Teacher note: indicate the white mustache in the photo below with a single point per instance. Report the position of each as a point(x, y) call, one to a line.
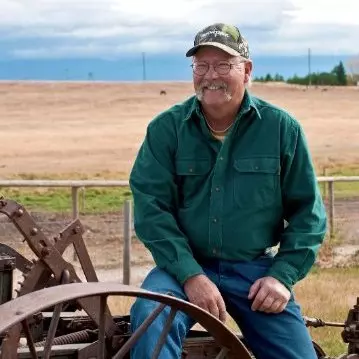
point(213, 85)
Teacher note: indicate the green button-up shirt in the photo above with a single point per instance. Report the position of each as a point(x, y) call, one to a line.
point(196, 197)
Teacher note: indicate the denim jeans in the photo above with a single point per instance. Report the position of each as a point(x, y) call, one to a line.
point(269, 336)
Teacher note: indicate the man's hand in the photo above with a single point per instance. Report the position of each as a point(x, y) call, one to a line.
point(201, 291)
point(270, 295)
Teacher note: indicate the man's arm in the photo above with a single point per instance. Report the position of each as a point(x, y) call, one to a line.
point(303, 210)
point(154, 190)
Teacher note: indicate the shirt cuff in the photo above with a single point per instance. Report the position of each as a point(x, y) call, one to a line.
point(284, 272)
point(185, 269)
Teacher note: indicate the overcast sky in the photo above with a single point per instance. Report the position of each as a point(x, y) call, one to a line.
point(109, 28)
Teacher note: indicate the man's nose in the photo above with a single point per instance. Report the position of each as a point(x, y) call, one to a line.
point(211, 73)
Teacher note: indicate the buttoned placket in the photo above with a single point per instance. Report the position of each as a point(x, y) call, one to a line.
point(216, 201)
point(218, 190)
point(215, 230)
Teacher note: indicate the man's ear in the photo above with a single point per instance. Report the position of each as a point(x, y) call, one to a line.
point(248, 71)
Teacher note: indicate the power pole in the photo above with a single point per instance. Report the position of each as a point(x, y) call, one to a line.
point(144, 66)
point(309, 69)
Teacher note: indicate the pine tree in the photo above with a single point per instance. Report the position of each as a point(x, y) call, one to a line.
point(340, 73)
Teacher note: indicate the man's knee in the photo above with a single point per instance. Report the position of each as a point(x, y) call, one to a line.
point(141, 310)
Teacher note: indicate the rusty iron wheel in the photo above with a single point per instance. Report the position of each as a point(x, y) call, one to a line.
point(18, 310)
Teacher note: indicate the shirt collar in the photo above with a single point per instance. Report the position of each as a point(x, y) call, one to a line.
point(247, 103)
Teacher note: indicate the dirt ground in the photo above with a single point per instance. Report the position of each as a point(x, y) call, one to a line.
point(97, 128)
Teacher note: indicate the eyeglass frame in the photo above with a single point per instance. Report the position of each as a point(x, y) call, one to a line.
point(214, 66)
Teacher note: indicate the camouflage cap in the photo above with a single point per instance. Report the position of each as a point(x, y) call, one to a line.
point(225, 37)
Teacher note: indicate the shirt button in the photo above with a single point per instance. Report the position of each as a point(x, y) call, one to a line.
point(221, 158)
point(214, 220)
point(214, 251)
point(190, 170)
point(256, 168)
point(217, 189)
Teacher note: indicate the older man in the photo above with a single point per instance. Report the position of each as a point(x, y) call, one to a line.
point(219, 180)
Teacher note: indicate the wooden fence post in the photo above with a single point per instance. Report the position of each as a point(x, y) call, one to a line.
point(127, 234)
point(331, 209)
point(75, 211)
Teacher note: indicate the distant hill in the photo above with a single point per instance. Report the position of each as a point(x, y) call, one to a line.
point(155, 68)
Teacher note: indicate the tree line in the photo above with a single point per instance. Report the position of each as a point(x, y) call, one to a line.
point(336, 77)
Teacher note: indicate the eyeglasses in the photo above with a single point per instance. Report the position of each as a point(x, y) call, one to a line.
point(222, 68)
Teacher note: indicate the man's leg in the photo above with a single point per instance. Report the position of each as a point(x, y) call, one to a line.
point(161, 282)
point(270, 336)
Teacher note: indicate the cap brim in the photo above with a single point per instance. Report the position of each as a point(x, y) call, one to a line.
point(225, 48)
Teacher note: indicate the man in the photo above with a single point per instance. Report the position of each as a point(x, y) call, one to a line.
point(219, 180)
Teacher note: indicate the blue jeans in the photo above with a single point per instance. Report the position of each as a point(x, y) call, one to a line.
point(269, 336)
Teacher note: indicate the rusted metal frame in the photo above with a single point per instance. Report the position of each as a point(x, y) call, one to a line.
point(49, 254)
point(21, 263)
point(350, 334)
point(40, 275)
point(164, 333)
point(10, 343)
point(84, 259)
point(55, 320)
point(89, 351)
point(317, 323)
point(36, 239)
point(30, 342)
point(24, 306)
point(101, 333)
point(139, 332)
point(7, 266)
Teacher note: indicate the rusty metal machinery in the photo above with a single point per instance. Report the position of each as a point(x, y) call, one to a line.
point(55, 315)
point(83, 335)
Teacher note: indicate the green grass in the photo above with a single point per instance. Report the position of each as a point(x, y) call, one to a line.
point(91, 200)
point(341, 189)
point(328, 294)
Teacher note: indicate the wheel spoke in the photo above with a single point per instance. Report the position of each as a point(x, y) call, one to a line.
point(30, 342)
point(102, 328)
point(139, 332)
point(163, 336)
point(222, 354)
point(55, 319)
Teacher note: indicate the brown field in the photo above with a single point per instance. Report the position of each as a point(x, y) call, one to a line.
point(90, 128)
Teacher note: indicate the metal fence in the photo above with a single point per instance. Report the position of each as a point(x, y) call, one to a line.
point(126, 227)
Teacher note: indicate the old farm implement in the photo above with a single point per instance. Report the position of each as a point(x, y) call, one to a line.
point(56, 315)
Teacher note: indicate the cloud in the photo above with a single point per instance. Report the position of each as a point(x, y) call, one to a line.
point(110, 28)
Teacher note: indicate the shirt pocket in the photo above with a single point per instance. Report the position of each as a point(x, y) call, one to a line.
point(191, 178)
point(256, 181)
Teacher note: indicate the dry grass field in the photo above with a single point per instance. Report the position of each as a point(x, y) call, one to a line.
point(93, 128)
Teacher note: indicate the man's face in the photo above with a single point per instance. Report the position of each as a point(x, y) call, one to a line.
point(224, 85)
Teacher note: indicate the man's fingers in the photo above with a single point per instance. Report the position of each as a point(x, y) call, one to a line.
point(222, 310)
point(267, 303)
point(259, 299)
point(201, 291)
point(276, 304)
point(281, 307)
point(254, 289)
point(213, 309)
